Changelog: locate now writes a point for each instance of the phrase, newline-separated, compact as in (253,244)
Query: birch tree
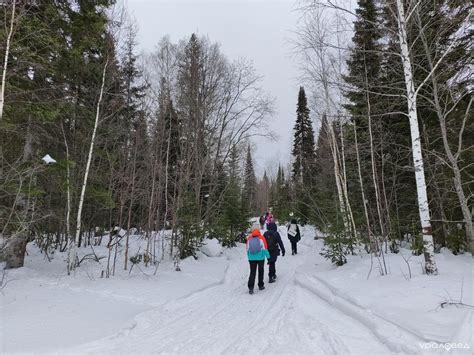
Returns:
(411,92)
(6,58)
(321,70)
(444,98)
(72,257)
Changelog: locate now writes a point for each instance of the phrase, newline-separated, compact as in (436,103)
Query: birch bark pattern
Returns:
(452,157)
(423,207)
(68,185)
(5,63)
(72,263)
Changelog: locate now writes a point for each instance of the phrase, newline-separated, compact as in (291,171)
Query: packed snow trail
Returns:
(283,318)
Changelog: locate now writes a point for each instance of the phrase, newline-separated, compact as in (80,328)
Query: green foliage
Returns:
(190,239)
(136,259)
(191,230)
(337,244)
(232,219)
(394,248)
(101,197)
(281,197)
(303,169)
(456,241)
(417,245)
(249,186)
(335,248)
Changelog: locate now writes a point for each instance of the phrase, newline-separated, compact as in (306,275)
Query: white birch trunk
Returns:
(423,207)
(68,187)
(72,263)
(166,194)
(132,199)
(345,190)
(337,173)
(5,63)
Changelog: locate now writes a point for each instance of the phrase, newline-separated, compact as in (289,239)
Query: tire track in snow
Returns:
(223,318)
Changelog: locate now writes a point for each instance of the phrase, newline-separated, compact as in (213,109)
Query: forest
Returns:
(99,141)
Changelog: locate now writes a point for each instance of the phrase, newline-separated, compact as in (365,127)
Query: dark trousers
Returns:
(271,269)
(271,264)
(253,271)
(294,245)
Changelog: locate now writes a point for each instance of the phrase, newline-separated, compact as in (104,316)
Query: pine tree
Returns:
(325,194)
(364,63)
(263,194)
(234,219)
(364,78)
(281,196)
(250,186)
(304,157)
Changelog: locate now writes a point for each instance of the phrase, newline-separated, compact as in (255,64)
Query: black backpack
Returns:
(271,241)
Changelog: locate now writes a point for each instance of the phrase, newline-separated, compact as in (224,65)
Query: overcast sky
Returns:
(259,30)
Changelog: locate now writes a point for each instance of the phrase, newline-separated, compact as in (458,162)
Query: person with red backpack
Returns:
(257,251)
(274,244)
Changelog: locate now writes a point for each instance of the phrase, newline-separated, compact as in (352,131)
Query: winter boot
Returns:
(271,280)
(261,288)
(251,291)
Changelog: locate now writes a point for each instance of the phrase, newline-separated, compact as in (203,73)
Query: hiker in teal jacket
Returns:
(257,251)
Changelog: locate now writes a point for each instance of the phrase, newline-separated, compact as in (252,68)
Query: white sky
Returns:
(259,30)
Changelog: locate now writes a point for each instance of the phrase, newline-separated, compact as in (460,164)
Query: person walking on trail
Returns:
(294,236)
(262,221)
(257,252)
(274,243)
(268,218)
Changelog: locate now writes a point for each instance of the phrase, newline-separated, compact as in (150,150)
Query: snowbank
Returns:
(314,307)
(403,312)
(211,248)
(43,310)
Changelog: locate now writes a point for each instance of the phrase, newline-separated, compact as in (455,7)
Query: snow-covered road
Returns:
(313,308)
(224,318)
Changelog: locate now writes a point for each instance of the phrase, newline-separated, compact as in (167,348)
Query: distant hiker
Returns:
(274,243)
(294,236)
(269,218)
(257,251)
(262,221)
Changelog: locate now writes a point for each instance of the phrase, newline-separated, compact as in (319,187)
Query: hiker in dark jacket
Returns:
(274,244)
(294,236)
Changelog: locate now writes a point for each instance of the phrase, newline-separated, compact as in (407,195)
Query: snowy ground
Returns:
(313,308)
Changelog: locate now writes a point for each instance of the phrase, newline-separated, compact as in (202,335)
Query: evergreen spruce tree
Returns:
(250,186)
(303,152)
(364,79)
(263,196)
(364,63)
(281,197)
(234,219)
